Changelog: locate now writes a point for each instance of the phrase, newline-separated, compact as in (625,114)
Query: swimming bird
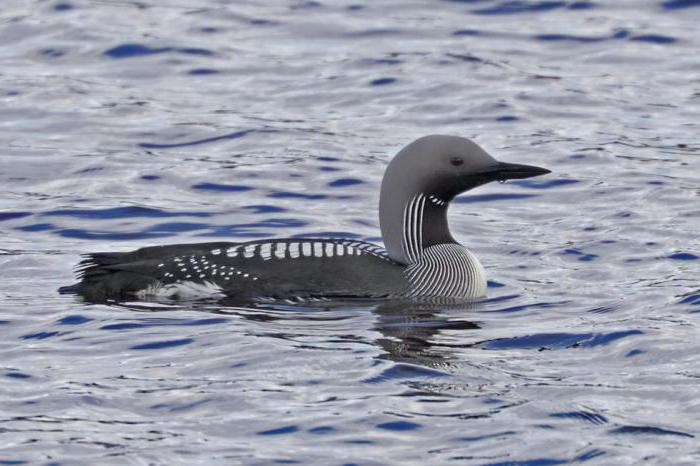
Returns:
(421,258)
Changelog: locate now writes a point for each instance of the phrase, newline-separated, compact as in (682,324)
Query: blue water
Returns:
(127,124)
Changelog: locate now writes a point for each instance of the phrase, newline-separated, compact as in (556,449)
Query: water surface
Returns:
(126,124)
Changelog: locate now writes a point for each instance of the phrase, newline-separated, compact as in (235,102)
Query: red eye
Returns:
(457,161)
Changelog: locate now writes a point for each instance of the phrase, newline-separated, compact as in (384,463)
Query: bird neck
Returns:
(408,227)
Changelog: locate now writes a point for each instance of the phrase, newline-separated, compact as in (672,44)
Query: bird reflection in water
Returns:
(410,329)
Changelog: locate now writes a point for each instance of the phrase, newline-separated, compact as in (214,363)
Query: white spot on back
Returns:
(306,249)
(318,249)
(280,249)
(216,252)
(330,247)
(266,251)
(233,252)
(294,250)
(249,250)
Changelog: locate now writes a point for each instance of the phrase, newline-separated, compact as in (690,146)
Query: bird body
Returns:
(268,269)
(421,258)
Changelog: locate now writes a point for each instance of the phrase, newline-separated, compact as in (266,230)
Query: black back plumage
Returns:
(275,269)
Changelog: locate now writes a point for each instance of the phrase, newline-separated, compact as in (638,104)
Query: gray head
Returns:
(420,182)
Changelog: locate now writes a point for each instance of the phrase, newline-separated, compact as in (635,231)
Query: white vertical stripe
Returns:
(249,250)
(409,221)
(443,274)
(266,251)
(427,278)
(404,233)
(306,249)
(419,227)
(436,273)
(420,279)
(280,249)
(446,270)
(294,250)
(417,224)
(473,278)
(447,263)
(414,227)
(466,285)
(457,271)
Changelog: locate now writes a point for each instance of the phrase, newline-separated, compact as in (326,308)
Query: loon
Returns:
(421,258)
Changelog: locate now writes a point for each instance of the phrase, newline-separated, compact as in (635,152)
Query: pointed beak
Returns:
(515,171)
(500,171)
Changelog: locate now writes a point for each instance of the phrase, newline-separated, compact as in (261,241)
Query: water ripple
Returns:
(121,212)
(163,344)
(558,340)
(135,50)
(224,137)
(648,430)
(593,418)
(129,124)
(680,4)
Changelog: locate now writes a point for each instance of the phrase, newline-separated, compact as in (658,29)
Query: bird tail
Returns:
(97,264)
(91,269)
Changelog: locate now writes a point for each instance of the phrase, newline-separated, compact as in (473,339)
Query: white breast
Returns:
(446,270)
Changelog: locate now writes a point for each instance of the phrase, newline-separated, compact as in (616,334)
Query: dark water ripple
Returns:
(130,124)
(680,4)
(234,135)
(558,340)
(647,430)
(135,50)
(593,418)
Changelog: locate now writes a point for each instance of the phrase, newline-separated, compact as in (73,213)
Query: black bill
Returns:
(515,171)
